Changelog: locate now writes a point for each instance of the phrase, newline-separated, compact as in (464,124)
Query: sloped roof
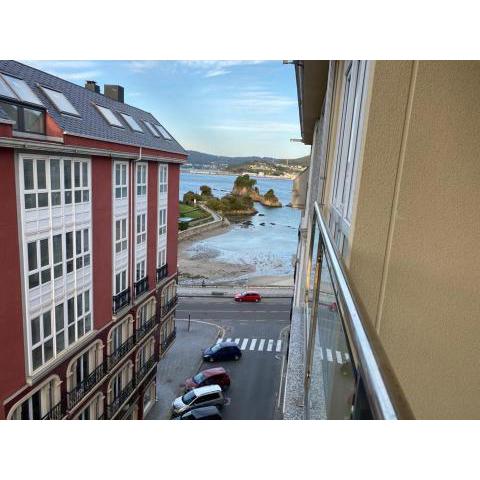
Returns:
(91,122)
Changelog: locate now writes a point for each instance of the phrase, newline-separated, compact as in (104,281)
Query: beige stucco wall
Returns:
(415,259)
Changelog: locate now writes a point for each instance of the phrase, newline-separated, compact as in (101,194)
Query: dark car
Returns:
(202,413)
(222,351)
(248,297)
(212,376)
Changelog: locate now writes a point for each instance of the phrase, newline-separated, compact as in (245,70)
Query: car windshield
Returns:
(188,398)
(216,348)
(199,378)
(244,293)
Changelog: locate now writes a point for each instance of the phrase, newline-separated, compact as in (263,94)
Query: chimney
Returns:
(92,85)
(115,92)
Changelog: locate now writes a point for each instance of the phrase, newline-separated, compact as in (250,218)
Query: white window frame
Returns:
(162,179)
(120,176)
(141,179)
(140,271)
(162,221)
(141,228)
(121,235)
(162,257)
(121,281)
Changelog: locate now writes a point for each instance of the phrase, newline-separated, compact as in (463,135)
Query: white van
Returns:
(198,397)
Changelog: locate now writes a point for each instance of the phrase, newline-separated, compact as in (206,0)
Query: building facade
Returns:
(387,274)
(89,189)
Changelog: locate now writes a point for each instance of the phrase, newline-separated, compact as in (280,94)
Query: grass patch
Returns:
(195,213)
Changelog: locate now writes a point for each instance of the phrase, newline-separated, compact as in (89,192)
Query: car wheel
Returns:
(257,300)
(211,360)
(236,357)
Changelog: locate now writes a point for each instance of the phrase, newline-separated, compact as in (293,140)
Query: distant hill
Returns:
(200,159)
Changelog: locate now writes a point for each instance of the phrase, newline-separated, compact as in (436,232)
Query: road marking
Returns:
(237,341)
(228,340)
(219,340)
(253,343)
(279,346)
(347,357)
(329,355)
(270,345)
(261,344)
(244,344)
(321,353)
(339,357)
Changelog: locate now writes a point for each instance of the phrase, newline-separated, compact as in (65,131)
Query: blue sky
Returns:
(222,107)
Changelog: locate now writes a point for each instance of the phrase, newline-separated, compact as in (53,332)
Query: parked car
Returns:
(222,351)
(198,397)
(212,376)
(202,413)
(248,297)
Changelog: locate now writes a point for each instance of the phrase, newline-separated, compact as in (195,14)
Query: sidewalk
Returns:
(180,362)
(229,291)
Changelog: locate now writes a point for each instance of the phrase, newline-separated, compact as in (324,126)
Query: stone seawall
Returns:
(217,222)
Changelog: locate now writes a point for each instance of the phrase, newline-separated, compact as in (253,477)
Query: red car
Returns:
(212,376)
(248,297)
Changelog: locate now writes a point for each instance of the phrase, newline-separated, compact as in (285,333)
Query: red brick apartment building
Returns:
(88,249)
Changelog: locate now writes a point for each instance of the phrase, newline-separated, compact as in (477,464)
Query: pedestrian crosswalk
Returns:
(255,344)
(270,345)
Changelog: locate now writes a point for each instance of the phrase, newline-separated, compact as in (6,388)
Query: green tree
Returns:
(206,191)
(244,181)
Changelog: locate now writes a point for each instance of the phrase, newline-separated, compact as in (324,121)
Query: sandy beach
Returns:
(198,263)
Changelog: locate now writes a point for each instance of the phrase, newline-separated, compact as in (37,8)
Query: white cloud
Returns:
(214,68)
(62,64)
(257,127)
(216,73)
(82,75)
(140,66)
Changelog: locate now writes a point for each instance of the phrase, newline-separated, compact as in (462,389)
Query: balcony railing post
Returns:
(162,272)
(120,300)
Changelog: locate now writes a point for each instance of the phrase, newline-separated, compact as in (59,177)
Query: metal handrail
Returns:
(85,386)
(383,390)
(120,352)
(141,286)
(169,305)
(162,272)
(146,327)
(55,413)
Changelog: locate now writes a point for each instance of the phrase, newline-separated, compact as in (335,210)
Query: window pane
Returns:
(32,256)
(78,196)
(47,324)
(55,174)
(60,342)
(33,280)
(28,175)
(68,198)
(35,330)
(33,121)
(78,246)
(60,101)
(86,260)
(56,198)
(44,252)
(79,305)
(59,320)
(76,170)
(80,328)
(88,323)
(43,200)
(23,91)
(117,230)
(48,349)
(37,357)
(58,271)
(69,244)
(86,296)
(124,174)
(67,174)
(86,195)
(71,311)
(85,240)
(30,200)
(109,116)
(117,174)
(57,248)
(71,334)
(41,179)
(45,275)
(85,174)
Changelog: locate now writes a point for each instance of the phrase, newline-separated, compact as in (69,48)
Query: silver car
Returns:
(198,397)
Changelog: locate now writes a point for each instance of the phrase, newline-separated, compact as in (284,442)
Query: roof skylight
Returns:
(132,123)
(109,116)
(163,132)
(150,127)
(22,90)
(60,101)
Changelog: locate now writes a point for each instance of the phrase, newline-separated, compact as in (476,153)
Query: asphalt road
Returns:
(260,329)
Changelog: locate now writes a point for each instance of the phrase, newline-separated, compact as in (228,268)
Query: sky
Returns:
(233,108)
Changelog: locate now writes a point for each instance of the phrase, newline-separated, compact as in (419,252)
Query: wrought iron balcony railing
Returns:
(117,402)
(87,384)
(55,413)
(141,286)
(146,327)
(144,369)
(169,305)
(169,340)
(162,272)
(120,300)
(120,352)
(347,373)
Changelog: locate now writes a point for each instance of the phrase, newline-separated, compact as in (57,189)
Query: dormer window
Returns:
(151,128)
(26,119)
(163,132)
